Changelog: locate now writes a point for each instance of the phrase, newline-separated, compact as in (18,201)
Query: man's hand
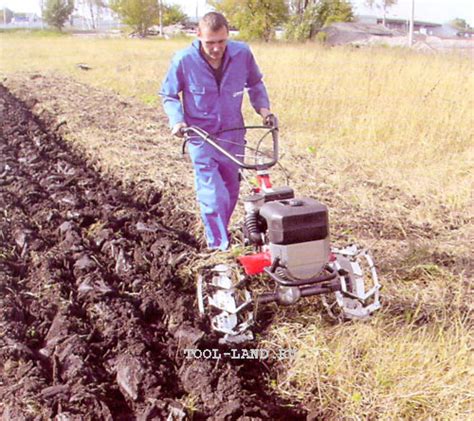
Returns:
(176,130)
(269,119)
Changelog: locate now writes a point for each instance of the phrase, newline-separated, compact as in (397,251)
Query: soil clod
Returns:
(95,316)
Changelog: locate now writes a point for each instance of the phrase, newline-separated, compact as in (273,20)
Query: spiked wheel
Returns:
(225,302)
(359,294)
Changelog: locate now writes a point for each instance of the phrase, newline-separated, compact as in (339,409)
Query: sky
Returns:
(438,11)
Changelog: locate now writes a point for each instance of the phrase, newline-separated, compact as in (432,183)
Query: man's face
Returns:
(213,43)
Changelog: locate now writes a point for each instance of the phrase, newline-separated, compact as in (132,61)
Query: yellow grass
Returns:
(379,370)
(395,115)
(131,67)
(385,137)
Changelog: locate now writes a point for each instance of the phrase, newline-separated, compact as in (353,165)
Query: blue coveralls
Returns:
(214,108)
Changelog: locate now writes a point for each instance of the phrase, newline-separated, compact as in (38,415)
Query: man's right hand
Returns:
(176,130)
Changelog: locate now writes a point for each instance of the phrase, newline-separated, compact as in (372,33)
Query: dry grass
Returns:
(395,115)
(385,138)
(388,116)
(133,68)
(379,370)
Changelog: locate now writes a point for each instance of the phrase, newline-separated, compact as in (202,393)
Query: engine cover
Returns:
(295,221)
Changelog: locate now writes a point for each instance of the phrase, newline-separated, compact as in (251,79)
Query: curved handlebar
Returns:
(193,130)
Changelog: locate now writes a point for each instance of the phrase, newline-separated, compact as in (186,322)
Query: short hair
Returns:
(214,21)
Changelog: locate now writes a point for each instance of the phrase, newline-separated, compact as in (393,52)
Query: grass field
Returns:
(399,115)
(386,136)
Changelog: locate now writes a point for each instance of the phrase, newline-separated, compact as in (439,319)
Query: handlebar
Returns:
(193,130)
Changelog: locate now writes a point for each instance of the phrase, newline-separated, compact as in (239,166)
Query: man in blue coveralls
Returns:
(211,76)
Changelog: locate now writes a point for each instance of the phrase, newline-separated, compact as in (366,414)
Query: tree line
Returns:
(255,19)
(138,14)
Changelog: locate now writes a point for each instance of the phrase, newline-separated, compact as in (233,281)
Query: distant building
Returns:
(448,31)
(355,32)
(425,28)
(367,19)
(25,18)
(445,31)
(403,25)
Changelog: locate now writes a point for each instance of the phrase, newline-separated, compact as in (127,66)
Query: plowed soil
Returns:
(94,314)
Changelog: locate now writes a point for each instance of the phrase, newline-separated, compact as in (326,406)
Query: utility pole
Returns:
(42,14)
(412,24)
(160,16)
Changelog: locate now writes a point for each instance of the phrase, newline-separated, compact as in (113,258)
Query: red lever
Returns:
(255,263)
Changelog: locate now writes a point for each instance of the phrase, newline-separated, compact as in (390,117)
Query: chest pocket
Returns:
(197,90)
(201,99)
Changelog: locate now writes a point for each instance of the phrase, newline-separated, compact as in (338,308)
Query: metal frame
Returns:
(189,131)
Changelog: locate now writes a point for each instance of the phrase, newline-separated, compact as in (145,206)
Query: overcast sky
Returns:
(427,10)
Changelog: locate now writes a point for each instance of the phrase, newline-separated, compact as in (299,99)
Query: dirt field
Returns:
(99,249)
(94,314)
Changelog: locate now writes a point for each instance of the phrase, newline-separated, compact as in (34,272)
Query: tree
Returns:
(139,14)
(6,15)
(57,12)
(94,7)
(173,14)
(310,17)
(381,4)
(169,15)
(142,14)
(255,19)
(459,23)
(302,24)
(331,11)
(298,7)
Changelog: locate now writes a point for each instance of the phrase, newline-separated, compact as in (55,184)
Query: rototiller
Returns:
(291,245)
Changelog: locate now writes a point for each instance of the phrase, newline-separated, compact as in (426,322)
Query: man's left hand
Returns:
(269,119)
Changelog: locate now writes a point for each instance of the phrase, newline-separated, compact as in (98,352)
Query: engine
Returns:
(296,231)
(291,247)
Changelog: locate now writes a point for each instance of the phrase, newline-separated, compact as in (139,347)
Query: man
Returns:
(211,76)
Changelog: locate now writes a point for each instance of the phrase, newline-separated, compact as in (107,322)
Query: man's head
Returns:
(213,32)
